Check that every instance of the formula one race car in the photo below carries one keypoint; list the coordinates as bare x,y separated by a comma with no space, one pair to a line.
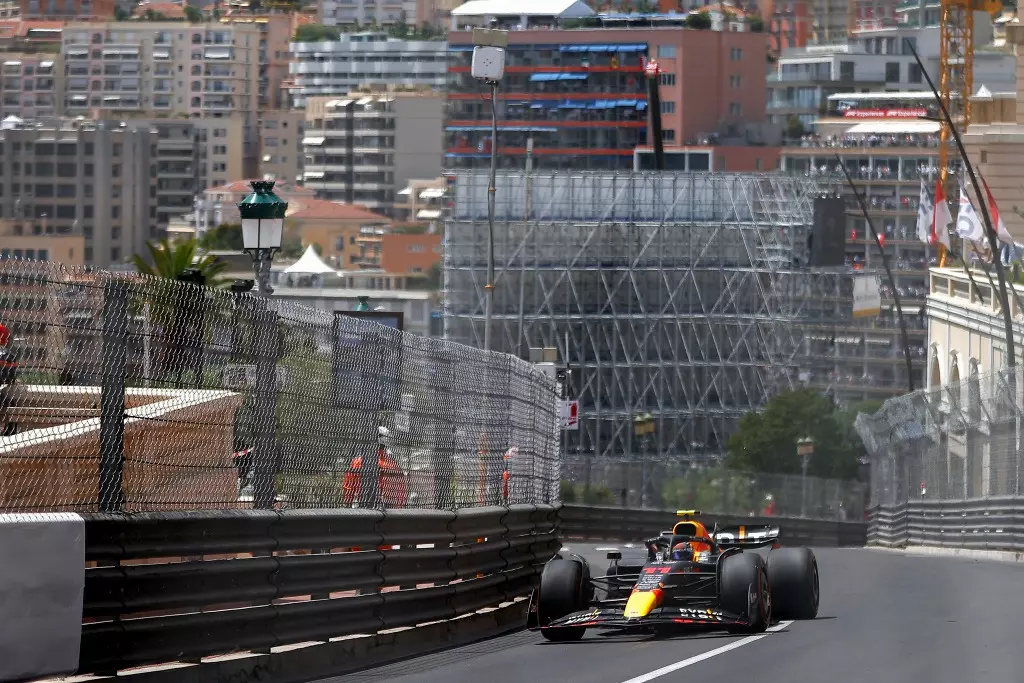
690,578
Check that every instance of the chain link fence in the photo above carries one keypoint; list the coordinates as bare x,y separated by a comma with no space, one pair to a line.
679,484
128,393
956,442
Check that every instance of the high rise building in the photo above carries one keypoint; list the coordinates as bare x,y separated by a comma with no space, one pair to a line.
355,13
94,179
365,147
68,10
275,31
372,59
579,96
281,134
31,85
153,69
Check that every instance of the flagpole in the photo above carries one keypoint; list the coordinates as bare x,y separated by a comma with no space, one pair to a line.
888,272
1004,300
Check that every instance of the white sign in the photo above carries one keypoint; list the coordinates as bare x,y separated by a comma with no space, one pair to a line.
570,414
867,300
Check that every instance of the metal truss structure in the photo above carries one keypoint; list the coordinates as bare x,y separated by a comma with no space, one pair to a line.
669,294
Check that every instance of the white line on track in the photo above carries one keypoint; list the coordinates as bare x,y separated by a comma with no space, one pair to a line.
696,659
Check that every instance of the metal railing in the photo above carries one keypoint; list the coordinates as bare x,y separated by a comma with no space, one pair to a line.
946,464
143,394
295,577
677,484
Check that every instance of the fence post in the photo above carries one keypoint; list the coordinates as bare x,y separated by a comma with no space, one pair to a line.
265,459
112,392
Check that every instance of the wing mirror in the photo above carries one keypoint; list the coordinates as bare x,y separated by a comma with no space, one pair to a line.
615,555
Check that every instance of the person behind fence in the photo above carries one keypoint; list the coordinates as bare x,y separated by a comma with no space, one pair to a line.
393,489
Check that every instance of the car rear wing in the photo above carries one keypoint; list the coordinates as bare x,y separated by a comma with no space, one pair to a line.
746,536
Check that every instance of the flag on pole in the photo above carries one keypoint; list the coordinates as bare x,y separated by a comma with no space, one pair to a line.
1001,231
970,228
925,216
941,218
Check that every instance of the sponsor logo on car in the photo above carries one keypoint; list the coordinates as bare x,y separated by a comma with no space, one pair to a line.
702,614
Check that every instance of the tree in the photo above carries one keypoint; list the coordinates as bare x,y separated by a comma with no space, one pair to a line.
645,7
121,14
224,237
168,260
699,20
766,441
794,127
193,14
315,33
757,25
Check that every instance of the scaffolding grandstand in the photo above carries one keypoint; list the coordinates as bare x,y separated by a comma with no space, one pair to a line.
680,295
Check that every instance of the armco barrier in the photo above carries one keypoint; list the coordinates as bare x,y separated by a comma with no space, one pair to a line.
978,524
177,587
608,523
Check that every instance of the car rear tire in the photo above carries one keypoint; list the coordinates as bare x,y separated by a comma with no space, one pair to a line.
742,574
794,577
561,593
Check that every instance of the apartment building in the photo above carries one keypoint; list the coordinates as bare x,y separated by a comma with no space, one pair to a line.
367,12
357,60
17,35
281,133
153,69
421,200
349,236
68,10
220,203
31,85
365,148
81,177
191,155
275,31
580,95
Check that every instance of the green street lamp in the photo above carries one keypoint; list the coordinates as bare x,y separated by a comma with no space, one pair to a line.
262,214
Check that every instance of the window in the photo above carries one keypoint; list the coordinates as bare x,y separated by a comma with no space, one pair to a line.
735,81
668,135
666,79
735,109
914,73
892,72
736,54
666,51
415,248
668,107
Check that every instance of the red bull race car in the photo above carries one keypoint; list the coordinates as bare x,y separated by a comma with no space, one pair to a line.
690,577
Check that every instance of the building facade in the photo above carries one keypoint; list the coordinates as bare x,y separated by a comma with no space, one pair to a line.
365,148
358,60
82,178
68,10
281,133
579,96
31,85
275,32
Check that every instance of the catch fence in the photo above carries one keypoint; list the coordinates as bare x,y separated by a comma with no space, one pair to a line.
678,484
143,394
960,441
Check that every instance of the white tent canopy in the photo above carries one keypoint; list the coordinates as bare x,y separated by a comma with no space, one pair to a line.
309,264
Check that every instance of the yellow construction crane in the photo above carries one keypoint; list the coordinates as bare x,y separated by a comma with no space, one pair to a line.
956,66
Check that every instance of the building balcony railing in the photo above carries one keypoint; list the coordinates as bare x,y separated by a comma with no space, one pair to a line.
837,142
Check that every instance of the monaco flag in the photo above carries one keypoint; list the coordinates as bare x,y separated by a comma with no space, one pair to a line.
1001,231
941,218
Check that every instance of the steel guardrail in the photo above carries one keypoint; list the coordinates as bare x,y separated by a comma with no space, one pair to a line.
995,523
624,524
178,586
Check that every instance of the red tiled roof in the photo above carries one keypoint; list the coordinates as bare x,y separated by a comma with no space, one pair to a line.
322,208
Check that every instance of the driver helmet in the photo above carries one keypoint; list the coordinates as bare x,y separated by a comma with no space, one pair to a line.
682,551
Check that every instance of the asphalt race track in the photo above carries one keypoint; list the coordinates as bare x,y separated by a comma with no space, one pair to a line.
884,618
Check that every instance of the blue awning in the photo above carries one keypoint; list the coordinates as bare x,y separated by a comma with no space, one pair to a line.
625,47
467,155
557,77
640,106
460,48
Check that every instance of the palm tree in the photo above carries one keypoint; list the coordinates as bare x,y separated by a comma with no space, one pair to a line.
169,260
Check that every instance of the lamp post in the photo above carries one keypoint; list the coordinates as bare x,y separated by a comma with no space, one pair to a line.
262,214
643,427
805,449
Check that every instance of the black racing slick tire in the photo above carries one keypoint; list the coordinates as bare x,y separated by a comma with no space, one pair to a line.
745,590
561,593
794,576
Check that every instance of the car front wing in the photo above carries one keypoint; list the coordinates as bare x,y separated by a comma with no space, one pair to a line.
599,617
